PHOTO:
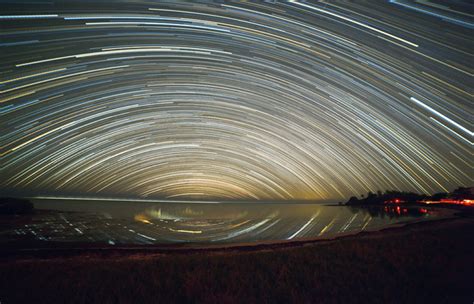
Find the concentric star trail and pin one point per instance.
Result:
(293, 100)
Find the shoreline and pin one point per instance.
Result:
(52, 250)
(421, 262)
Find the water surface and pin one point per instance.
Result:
(164, 223)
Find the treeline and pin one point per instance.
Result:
(392, 196)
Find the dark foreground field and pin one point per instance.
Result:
(429, 262)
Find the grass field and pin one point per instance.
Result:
(422, 263)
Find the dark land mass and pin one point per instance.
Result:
(15, 206)
(393, 196)
(428, 262)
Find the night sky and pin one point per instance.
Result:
(314, 100)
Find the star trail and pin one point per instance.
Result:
(210, 100)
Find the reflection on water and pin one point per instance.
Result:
(154, 223)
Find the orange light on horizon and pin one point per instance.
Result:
(465, 202)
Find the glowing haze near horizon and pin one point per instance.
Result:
(313, 100)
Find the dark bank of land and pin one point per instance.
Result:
(460, 196)
(422, 262)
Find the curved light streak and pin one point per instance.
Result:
(233, 101)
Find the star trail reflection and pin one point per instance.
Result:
(300, 100)
(164, 223)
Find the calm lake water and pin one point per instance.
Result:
(164, 223)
